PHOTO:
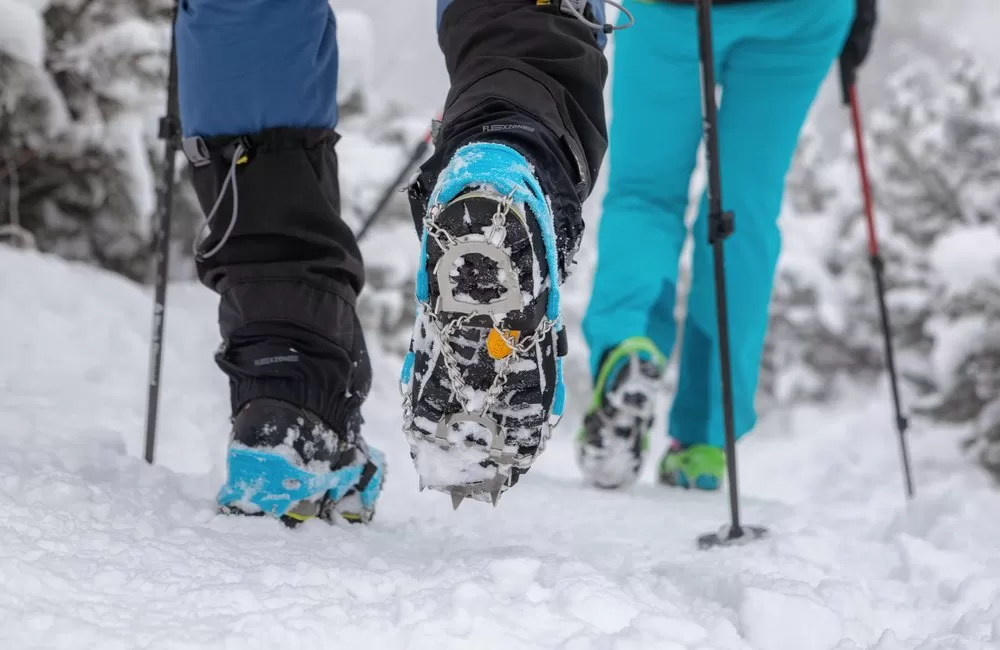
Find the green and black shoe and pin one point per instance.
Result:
(612, 444)
(696, 466)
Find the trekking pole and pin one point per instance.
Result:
(720, 226)
(850, 96)
(415, 157)
(170, 133)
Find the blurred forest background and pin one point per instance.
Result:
(82, 86)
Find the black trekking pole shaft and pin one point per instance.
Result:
(850, 97)
(415, 157)
(901, 421)
(169, 132)
(720, 226)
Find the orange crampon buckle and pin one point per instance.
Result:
(498, 343)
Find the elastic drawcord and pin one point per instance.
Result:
(606, 29)
(205, 231)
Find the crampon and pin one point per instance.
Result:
(482, 383)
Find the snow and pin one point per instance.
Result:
(967, 256)
(965, 23)
(128, 132)
(405, 51)
(958, 340)
(765, 613)
(22, 32)
(97, 549)
(356, 43)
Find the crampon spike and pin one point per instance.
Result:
(456, 498)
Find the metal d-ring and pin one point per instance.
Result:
(511, 298)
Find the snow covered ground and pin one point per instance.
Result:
(99, 550)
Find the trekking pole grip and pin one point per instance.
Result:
(847, 81)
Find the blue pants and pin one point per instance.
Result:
(248, 65)
(771, 58)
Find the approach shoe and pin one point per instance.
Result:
(612, 444)
(700, 467)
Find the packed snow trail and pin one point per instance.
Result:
(99, 550)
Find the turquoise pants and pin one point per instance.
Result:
(771, 58)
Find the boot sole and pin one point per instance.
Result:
(704, 482)
(613, 458)
(261, 483)
(466, 452)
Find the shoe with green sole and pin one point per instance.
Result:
(613, 441)
(696, 466)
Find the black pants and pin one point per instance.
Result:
(290, 271)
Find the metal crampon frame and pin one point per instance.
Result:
(454, 248)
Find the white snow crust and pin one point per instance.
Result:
(100, 550)
(22, 31)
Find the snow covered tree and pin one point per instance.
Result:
(82, 88)
(957, 157)
(934, 150)
(809, 350)
(936, 164)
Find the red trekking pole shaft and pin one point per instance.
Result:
(850, 96)
(866, 187)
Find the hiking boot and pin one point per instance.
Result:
(284, 462)
(482, 383)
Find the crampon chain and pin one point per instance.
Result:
(504, 462)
